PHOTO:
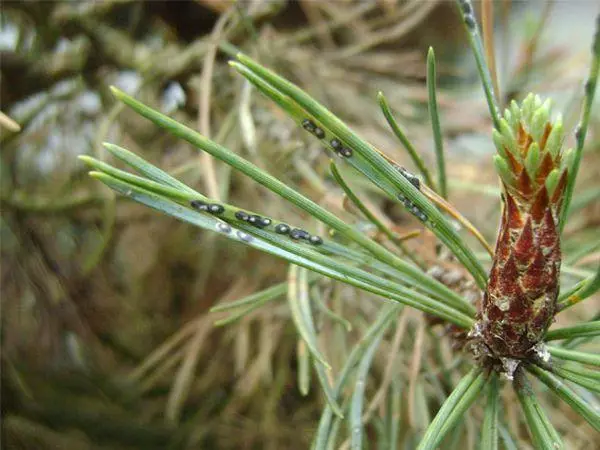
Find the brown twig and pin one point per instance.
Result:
(415, 368)
(487, 25)
(207, 161)
(389, 368)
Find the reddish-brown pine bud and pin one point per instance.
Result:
(520, 300)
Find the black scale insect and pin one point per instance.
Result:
(468, 14)
(315, 240)
(241, 215)
(223, 228)
(469, 21)
(413, 179)
(244, 236)
(346, 152)
(310, 126)
(280, 228)
(199, 204)
(335, 143)
(298, 233)
(411, 207)
(339, 148)
(256, 220)
(213, 208)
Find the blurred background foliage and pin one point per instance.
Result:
(106, 338)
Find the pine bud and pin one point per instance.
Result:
(520, 299)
